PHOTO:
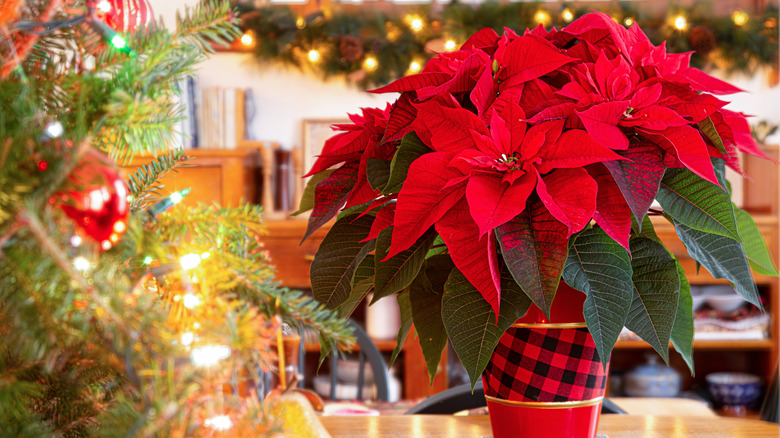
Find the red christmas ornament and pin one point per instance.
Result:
(125, 15)
(96, 198)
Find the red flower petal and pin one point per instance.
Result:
(685, 143)
(414, 82)
(529, 58)
(601, 123)
(575, 148)
(570, 196)
(493, 202)
(612, 212)
(401, 118)
(639, 177)
(446, 129)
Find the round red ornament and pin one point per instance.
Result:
(96, 198)
(125, 15)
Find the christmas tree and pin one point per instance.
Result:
(123, 313)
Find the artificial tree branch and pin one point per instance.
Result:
(27, 42)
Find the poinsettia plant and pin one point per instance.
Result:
(520, 161)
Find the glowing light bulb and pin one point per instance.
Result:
(300, 23)
(205, 255)
(740, 18)
(567, 15)
(314, 55)
(148, 260)
(119, 226)
(220, 422)
(370, 64)
(104, 6)
(81, 264)
(75, 241)
(628, 21)
(209, 355)
(450, 45)
(176, 197)
(416, 24)
(106, 245)
(187, 338)
(680, 23)
(247, 39)
(189, 261)
(118, 42)
(415, 67)
(542, 17)
(54, 130)
(190, 301)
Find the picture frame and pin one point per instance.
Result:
(314, 134)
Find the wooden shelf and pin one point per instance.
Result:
(384, 345)
(761, 344)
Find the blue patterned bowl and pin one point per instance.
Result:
(734, 389)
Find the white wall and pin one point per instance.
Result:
(284, 97)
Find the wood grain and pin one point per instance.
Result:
(614, 426)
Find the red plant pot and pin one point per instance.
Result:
(545, 378)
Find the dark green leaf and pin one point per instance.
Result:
(534, 246)
(337, 258)
(307, 199)
(600, 267)
(708, 128)
(438, 247)
(753, 242)
(411, 148)
(405, 305)
(438, 269)
(426, 312)
(377, 172)
(697, 203)
(682, 331)
(656, 291)
(648, 230)
(362, 283)
(723, 257)
(397, 273)
(470, 321)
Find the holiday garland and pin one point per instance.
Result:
(372, 48)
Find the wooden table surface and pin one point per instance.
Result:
(613, 426)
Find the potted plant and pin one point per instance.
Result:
(504, 197)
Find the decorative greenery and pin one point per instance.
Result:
(351, 41)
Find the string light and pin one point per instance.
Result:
(740, 18)
(54, 130)
(209, 355)
(542, 17)
(189, 261)
(416, 24)
(190, 301)
(81, 264)
(42, 165)
(119, 226)
(628, 21)
(300, 23)
(370, 64)
(148, 260)
(75, 241)
(247, 39)
(105, 245)
(205, 255)
(187, 338)
(118, 42)
(680, 23)
(220, 423)
(314, 55)
(450, 45)
(415, 67)
(104, 6)
(567, 15)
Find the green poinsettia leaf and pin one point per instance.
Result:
(600, 267)
(754, 245)
(438, 247)
(707, 127)
(655, 298)
(648, 230)
(340, 253)
(330, 195)
(377, 172)
(307, 199)
(426, 313)
(405, 305)
(723, 257)
(697, 203)
(534, 246)
(438, 269)
(362, 283)
(398, 272)
(410, 149)
(471, 324)
(682, 330)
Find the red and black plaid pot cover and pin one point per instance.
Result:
(545, 365)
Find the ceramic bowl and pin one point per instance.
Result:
(734, 389)
(722, 297)
(698, 298)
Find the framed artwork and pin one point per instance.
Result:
(315, 133)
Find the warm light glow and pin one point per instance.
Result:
(450, 45)
(205, 255)
(104, 6)
(415, 67)
(567, 15)
(114, 238)
(106, 245)
(300, 23)
(416, 24)
(209, 355)
(220, 422)
(190, 261)
(148, 260)
(628, 21)
(740, 18)
(75, 241)
(119, 226)
(314, 55)
(247, 39)
(370, 64)
(187, 338)
(680, 23)
(176, 197)
(191, 301)
(542, 17)
(54, 130)
(118, 42)
(81, 264)
(177, 298)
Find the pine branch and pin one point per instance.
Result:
(209, 21)
(145, 181)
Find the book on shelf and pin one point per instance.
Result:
(221, 120)
(186, 128)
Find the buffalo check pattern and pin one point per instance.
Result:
(545, 365)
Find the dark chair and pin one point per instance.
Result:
(367, 352)
(461, 398)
